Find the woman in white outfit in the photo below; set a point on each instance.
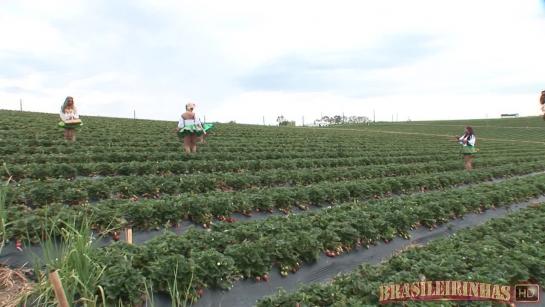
(468, 147)
(70, 119)
(190, 128)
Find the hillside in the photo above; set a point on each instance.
(255, 203)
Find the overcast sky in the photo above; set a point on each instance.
(242, 60)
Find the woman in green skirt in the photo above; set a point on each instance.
(190, 128)
(69, 119)
(468, 147)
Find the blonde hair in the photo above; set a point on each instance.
(65, 104)
(189, 106)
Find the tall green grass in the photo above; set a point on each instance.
(73, 256)
(3, 213)
(178, 298)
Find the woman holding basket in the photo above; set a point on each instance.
(468, 147)
(191, 129)
(69, 119)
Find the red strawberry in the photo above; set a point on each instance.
(116, 236)
(200, 292)
(205, 225)
(258, 278)
(266, 277)
(19, 245)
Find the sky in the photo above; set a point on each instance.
(251, 61)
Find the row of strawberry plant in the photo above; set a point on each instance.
(72, 155)
(38, 193)
(105, 154)
(504, 251)
(147, 155)
(173, 144)
(250, 249)
(202, 209)
(82, 151)
(302, 142)
(62, 170)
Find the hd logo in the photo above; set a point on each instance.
(528, 293)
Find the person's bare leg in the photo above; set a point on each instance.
(467, 162)
(73, 135)
(187, 143)
(193, 143)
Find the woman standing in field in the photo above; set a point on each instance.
(190, 128)
(70, 119)
(468, 147)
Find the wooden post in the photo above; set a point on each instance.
(59, 290)
(128, 235)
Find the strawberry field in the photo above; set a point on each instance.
(256, 202)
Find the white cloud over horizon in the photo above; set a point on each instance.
(242, 60)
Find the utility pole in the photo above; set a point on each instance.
(303, 121)
(373, 115)
(343, 117)
(397, 117)
(21, 104)
(392, 118)
(263, 120)
(134, 114)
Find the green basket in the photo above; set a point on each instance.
(469, 150)
(64, 125)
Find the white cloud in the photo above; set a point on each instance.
(244, 59)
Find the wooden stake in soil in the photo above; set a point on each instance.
(128, 235)
(59, 290)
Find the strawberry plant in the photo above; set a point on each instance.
(252, 259)
(215, 269)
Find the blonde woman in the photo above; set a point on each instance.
(190, 128)
(70, 119)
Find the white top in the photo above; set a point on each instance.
(183, 122)
(470, 141)
(69, 115)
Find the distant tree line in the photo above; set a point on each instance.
(327, 120)
(282, 121)
(339, 119)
